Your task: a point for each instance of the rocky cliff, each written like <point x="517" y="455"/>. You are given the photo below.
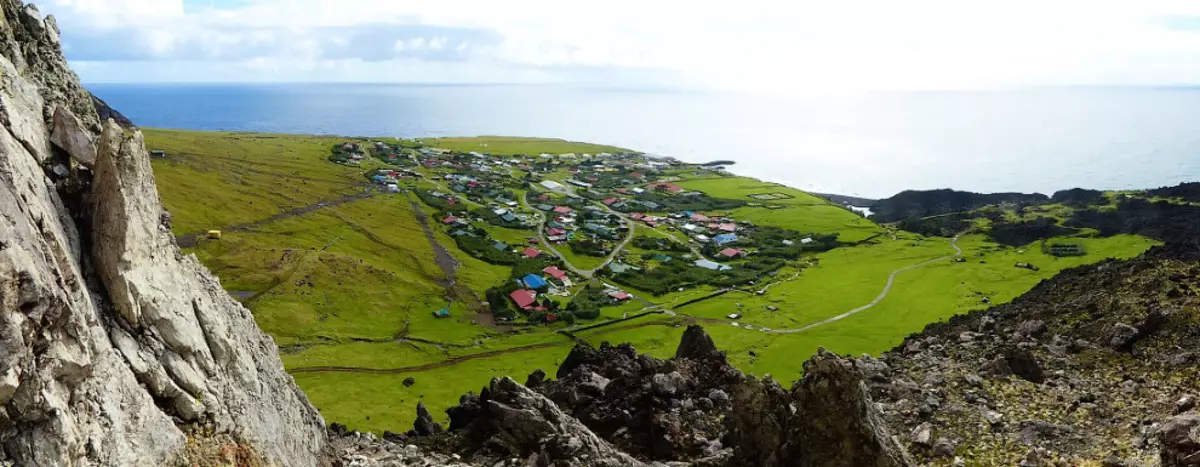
<point x="115" y="349"/>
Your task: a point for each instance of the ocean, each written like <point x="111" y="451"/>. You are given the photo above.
<point x="869" y="145"/>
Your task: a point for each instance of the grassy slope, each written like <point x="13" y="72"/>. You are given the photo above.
<point x="803" y="212"/>
<point x="364" y="270"/>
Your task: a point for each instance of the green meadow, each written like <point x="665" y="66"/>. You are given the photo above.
<point x="345" y="280"/>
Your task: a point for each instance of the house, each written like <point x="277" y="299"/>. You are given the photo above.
<point x="706" y="264"/>
<point x="508" y="217"/>
<point x="393" y="188"/>
<point x="459" y="233"/>
<point x="637" y="216"/>
<point x="806" y="241"/>
<point x="554" y="232"/>
<point x="734" y="316"/>
<point x="555" y="273"/>
<point x="619" y="295"/>
<point x="525" y="299"/>
<point x="661" y="258"/>
<point x="727" y="227"/>
<point x="579" y="183"/>
<point x="531" y="253"/>
<point x="702" y="238"/>
<point x="725" y="238"/>
<point x="610" y="201"/>
<point x="690" y="227"/>
<point x="563" y="210"/>
<point x="788" y="243"/>
<point x="499" y="245"/>
<point x="651" y="205"/>
<point x="621" y="268"/>
<point x="544" y="207"/>
<point x="442" y="313"/>
<point x="450" y="220"/>
<point x="534" y="281"/>
<point x="732" y="253"/>
<point x="697" y="217"/>
<point x="552" y="185"/>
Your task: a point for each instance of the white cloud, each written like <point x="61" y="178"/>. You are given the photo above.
<point x="757" y="45"/>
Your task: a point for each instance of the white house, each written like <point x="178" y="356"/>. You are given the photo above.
<point x="553" y="185"/>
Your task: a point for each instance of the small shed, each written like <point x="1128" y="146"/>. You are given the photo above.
<point x="214" y="234"/>
<point x="442" y="313"/>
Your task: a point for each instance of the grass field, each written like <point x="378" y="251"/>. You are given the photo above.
<point x="798" y="210"/>
<point x="508" y="146"/>
<point x="353" y="284"/>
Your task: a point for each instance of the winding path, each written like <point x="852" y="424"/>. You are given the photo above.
<point x="882" y="295"/>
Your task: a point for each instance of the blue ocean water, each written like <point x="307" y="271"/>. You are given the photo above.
<point x="872" y="144"/>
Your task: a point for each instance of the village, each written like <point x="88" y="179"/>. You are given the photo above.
<point x="582" y="232"/>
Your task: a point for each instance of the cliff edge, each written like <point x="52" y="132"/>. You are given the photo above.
<point x="115" y="348"/>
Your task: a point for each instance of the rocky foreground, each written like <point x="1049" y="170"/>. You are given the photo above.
<point x="1098" y="366"/>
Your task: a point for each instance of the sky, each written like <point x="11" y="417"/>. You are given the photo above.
<point x="763" y="46"/>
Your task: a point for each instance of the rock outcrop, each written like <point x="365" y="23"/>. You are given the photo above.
<point x="115" y="348"/>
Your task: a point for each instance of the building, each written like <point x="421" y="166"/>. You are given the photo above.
<point x="555" y="273"/>
<point x="706" y="264"/>
<point x="442" y="313"/>
<point x="727" y="227"/>
<point x="499" y="245"/>
<point x="564" y="210"/>
<point x="619" y="295"/>
<point x="531" y="253"/>
<point x="725" y="238"/>
<point x="525" y="299"/>
<point x="732" y="253"/>
<point x="553" y="185"/>
<point x="534" y="281"/>
<point x="806" y="241"/>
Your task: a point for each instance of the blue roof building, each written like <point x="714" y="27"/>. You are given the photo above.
<point x="534" y="281"/>
<point x="706" y="264"/>
<point x="725" y="238"/>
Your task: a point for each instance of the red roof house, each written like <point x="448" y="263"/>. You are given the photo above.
<point x="730" y="227"/>
<point x="531" y="252"/>
<point x="562" y="210"/>
<point x="449" y="220"/>
<point x="555" y="272"/>
<point x="731" y="252"/>
<point x="697" y="217"/>
<point x="610" y="201"/>
<point x="637" y="216"/>
<point x="525" y="299"/>
<point x="637" y="175"/>
<point x="619" y="295"/>
<point x="555" y="232"/>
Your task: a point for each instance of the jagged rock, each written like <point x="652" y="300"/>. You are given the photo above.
<point x="993" y="417"/>
<point x="1185" y="404"/>
<point x="424" y="424"/>
<point x="872" y="369"/>
<point x="1180" y="441"/>
<point x="109" y="335"/>
<point x="1031" y="328"/>
<point x="667" y="385"/>
<point x="517" y="422"/>
<point x="535" y="379"/>
<point x="1022" y="363"/>
<point x="69" y="135"/>
<point x="108" y="113"/>
<point x="718" y="397"/>
<point x="696" y="343"/>
<point x="838" y="424"/>
<point x="1032" y="431"/>
<point x="1122" y="336"/>
<point x="922" y="436"/>
<point x="465" y="412"/>
<point x="973" y="380"/>
<point x="944" y="448"/>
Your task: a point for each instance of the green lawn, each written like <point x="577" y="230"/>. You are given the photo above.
<point x="794" y="210"/>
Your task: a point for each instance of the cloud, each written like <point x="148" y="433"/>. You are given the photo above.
<point x="753" y="45"/>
